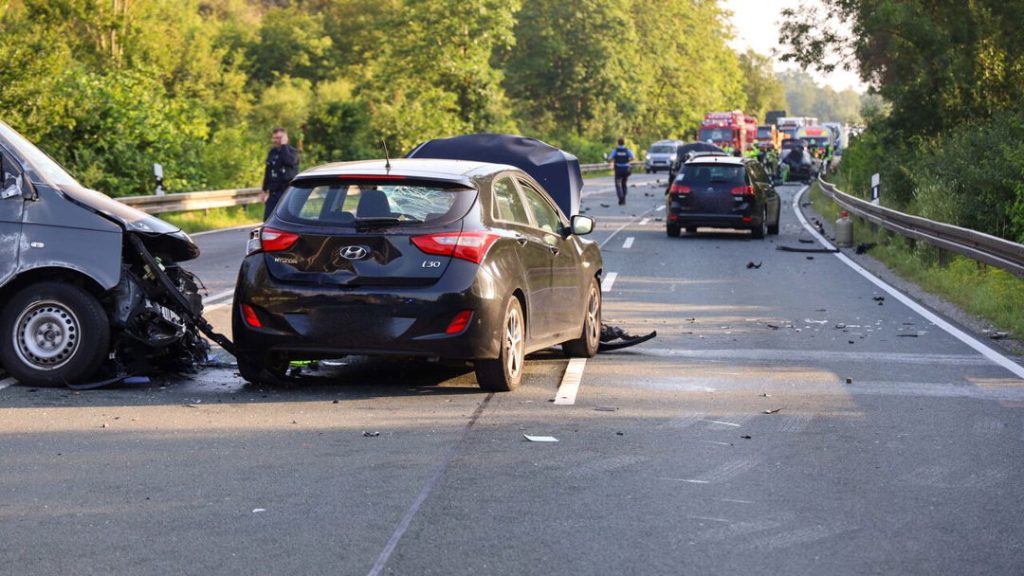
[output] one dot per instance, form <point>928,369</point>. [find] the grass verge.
<point>215,218</point>
<point>983,291</point>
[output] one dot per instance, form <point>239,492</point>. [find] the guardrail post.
<point>944,258</point>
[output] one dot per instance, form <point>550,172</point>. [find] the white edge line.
<point>645,221</point>
<point>218,297</point>
<point>571,380</point>
<point>660,208</point>
<point>6,382</point>
<point>957,333</point>
<point>628,243</point>
<point>239,227</point>
<point>609,280</point>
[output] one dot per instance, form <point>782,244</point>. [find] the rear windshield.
<point>661,150</point>
<point>705,174</point>
<point>764,132</point>
<point>349,202</point>
<point>716,134</point>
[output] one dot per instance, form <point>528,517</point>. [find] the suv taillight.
<point>471,246</point>
<point>679,190</point>
<point>742,191</point>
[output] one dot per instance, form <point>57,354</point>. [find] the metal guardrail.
<point>971,243</point>
<point>223,198</point>
<point>192,200</point>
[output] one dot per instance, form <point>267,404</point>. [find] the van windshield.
<point>663,149</point>
<point>42,164</point>
<point>716,134</point>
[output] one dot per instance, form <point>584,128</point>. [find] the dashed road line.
<point>628,243</point>
<point>609,280</point>
<point>571,380</point>
<point>623,227</point>
<point>645,221</point>
<point>660,208</point>
<point>957,333</point>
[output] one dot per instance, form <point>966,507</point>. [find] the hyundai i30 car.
<point>445,259</point>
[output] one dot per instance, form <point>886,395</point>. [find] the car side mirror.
<point>582,225</point>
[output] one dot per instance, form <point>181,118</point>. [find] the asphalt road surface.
<point>792,419</point>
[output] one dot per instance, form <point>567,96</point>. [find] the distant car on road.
<point>796,156</point>
<point>661,155</point>
<point>417,258</point>
<point>723,192</point>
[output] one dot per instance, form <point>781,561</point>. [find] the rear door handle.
<point>554,250</point>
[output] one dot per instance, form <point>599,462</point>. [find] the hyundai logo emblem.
<point>355,252</point>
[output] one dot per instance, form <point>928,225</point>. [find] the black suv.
<point>722,192</point>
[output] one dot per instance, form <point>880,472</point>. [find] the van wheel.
<point>586,345</point>
<point>53,334</point>
<point>505,372</point>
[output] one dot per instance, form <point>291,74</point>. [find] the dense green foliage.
<point>950,143</point>
<point>109,87</point>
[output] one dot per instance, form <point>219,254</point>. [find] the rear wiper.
<point>377,221</point>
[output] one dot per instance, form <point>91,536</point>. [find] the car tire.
<point>504,373</point>
<point>53,334</point>
<point>760,230</point>
<point>672,230</point>
<point>263,373</point>
<point>590,339</point>
<point>773,229</point>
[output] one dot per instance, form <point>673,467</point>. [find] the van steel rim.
<point>47,335</point>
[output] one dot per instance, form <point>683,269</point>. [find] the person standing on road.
<point>621,157</point>
<point>282,166</point>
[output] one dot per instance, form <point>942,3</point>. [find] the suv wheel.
<point>760,229</point>
<point>53,334</point>
<point>506,371</point>
<point>672,230</point>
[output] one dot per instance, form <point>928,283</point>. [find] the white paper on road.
<point>540,438</point>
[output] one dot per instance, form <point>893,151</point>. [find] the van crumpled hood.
<point>164,236</point>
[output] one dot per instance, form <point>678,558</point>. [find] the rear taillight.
<point>742,191</point>
<point>679,190</point>
<point>273,240</point>
<point>459,323</point>
<point>249,314</point>
<point>471,246</point>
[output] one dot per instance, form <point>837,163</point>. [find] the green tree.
<point>763,89</point>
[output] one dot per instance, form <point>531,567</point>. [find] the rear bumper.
<point>313,321</point>
<point>742,218</point>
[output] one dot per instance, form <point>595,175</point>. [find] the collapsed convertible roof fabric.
<point>555,169</point>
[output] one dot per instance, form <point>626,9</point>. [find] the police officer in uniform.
<point>621,157</point>
<point>282,166</point>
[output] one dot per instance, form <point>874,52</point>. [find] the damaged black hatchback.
<point>90,287</point>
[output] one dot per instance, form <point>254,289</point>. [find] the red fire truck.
<point>731,130</point>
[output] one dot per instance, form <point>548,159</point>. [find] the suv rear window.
<point>705,174</point>
<point>351,202</point>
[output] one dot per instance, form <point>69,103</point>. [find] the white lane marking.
<point>660,208</point>
<point>628,243</point>
<point>621,228</point>
<point>239,227</point>
<point>7,382</point>
<point>723,423</point>
<point>645,221</point>
<point>570,385</point>
<point>218,297</point>
<point>957,333</point>
<point>609,280</point>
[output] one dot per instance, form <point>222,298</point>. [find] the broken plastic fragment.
<point>540,438</point>
<point>370,434</point>
<point>773,411</point>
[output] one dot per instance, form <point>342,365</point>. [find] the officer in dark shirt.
<point>282,166</point>
<point>622,158</point>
